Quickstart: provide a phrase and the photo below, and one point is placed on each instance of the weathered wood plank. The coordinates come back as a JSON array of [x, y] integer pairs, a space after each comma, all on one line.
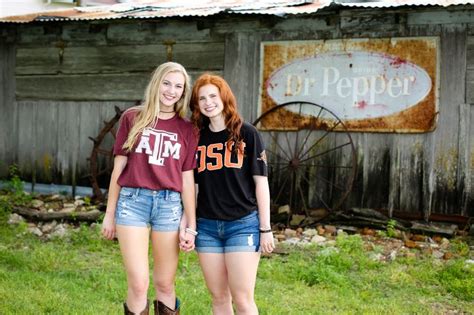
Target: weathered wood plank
[[470, 52], [470, 182], [116, 59], [452, 91], [362, 21], [241, 71], [87, 87], [464, 170], [67, 144], [439, 17], [375, 170], [410, 150], [90, 123], [27, 140], [8, 118], [158, 31], [470, 86], [46, 134]]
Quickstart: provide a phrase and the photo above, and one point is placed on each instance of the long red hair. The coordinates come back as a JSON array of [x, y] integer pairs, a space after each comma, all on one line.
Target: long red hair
[[232, 118]]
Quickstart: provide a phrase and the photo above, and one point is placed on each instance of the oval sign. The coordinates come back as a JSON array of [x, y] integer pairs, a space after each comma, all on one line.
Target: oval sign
[[353, 85]]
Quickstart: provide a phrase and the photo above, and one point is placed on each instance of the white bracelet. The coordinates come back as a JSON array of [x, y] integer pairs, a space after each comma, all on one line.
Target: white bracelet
[[191, 231]]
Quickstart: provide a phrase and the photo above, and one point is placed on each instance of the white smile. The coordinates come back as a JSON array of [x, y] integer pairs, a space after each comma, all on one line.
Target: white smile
[[169, 97], [210, 108]]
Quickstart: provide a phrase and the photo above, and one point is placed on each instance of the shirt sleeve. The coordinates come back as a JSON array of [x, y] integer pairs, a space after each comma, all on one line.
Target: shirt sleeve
[[190, 158], [257, 155], [122, 134]]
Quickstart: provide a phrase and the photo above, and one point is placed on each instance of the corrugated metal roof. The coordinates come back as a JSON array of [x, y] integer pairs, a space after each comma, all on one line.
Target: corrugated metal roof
[[146, 9]]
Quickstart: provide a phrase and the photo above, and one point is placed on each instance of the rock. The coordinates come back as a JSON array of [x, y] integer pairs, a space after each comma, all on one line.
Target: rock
[[321, 230], [299, 231], [392, 255], [447, 255], [68, 205], [340, 232], [330, 229], [310, 232], [317, 239], [59, 231], [48, 227], [79, 202], [67, 210], [444, 243], [296, 219], [367, 231], [410, 244], [280, 237], [36, 203], [470, 262], [418, 238], [15, 219], [284, 209], [290, 233], [437, 254], [55, 205], [36, 231], [292, 241]]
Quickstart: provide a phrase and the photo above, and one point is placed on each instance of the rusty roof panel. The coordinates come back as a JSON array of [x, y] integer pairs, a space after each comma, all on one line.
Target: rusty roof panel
[[145, 9]]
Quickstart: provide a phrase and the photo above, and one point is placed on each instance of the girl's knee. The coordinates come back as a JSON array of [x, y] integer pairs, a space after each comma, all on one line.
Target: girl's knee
[[164, 287], [221, 298], [139, 287], [244, 302]]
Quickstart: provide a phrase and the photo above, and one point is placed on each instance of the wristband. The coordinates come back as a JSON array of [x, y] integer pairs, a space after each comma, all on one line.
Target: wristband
[[191, 231], [265, 231]]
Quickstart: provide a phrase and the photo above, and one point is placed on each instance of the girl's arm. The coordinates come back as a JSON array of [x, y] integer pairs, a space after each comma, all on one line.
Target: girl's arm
[[189, 218], [262, 192], [108, 225]]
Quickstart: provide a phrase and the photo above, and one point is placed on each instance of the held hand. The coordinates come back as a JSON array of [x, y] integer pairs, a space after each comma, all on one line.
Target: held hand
[[108, 227], [186, 241], [267, 244]]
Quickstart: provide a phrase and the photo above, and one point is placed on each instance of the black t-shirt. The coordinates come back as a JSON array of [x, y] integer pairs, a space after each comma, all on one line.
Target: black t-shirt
[[226, 185]]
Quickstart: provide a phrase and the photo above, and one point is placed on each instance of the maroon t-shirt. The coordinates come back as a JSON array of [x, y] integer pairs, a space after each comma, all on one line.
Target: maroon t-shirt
[[159, 156]]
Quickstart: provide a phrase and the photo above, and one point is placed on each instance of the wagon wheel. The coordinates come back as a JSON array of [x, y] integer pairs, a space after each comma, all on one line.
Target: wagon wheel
[[310, 165], [103, 152]]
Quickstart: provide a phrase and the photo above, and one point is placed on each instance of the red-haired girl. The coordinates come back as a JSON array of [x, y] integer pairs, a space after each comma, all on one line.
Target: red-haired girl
[[233, 204]]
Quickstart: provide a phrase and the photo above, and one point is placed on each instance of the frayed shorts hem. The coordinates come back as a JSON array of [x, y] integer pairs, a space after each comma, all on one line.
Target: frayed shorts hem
[[154, 228], [229, 249]]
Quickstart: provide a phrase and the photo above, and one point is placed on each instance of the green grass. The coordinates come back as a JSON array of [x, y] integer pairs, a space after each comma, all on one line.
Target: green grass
[[82, 274]]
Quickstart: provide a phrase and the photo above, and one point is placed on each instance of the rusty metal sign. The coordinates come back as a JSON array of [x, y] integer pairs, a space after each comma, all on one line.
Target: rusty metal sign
[[377, 85]]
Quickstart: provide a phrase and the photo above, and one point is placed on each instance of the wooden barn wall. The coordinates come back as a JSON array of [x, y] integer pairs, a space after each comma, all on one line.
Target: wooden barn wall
[[8, 118], [420, 174], [69, 78], [70, 75]]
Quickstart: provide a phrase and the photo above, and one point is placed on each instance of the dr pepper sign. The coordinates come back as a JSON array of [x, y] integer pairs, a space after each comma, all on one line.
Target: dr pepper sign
[[376, 85]]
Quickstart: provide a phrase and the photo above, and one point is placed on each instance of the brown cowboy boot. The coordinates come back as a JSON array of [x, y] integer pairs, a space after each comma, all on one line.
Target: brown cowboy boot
[[146, 311], [162, 309]]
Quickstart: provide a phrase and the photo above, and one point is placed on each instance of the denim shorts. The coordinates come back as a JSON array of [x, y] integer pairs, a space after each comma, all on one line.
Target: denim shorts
[[159, 209], [216, 236]]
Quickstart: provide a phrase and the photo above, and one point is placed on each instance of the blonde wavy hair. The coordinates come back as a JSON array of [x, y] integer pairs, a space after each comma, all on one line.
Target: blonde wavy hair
[[149, 110]]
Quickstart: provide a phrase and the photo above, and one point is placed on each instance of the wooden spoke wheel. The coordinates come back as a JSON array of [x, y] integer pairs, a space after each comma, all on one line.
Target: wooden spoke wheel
[[101, 160], [311, 157]]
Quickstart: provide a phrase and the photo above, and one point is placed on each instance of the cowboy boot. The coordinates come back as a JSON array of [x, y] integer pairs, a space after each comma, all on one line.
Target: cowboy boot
[[162, 309], [144, 312]]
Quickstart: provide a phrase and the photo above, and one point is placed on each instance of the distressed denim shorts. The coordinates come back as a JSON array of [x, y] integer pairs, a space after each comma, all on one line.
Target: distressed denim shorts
[[216, 236], [159, 209]]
